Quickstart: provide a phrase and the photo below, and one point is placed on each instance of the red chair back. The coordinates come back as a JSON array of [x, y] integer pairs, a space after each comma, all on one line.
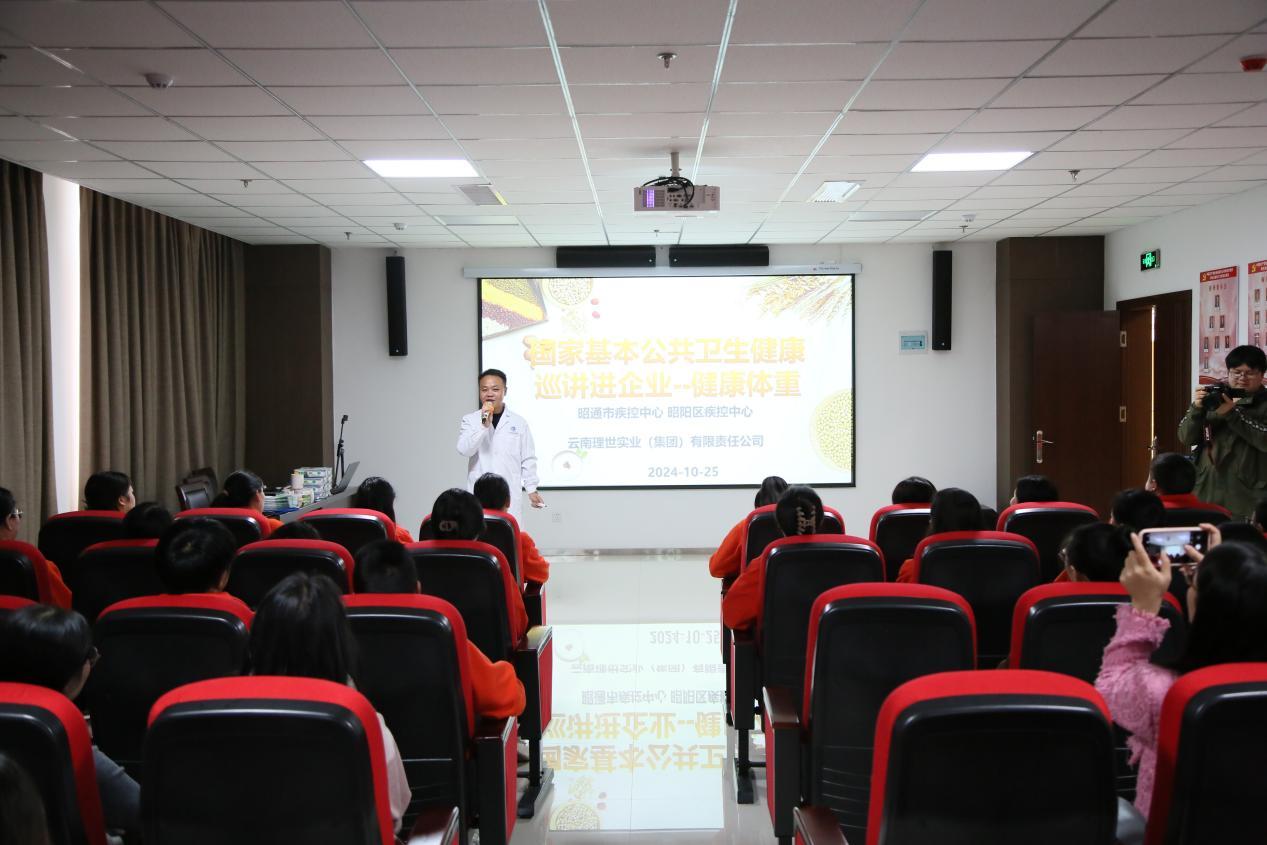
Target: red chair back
[[897, 530], [24, 572], [64, 535], [351, 528], [475, 578], [113, 571], [1046, 524], [260, 566], [246, 525], [761, 529]]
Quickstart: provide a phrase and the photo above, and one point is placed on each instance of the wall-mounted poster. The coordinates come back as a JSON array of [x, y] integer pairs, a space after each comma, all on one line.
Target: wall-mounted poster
[[1219, 308], [1256, 277]]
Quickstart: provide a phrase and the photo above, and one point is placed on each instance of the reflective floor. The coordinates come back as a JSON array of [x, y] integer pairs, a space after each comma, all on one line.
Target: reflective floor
[[638, 742]]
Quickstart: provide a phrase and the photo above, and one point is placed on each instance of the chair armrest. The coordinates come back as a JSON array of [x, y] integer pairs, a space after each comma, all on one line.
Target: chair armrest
[[782, 758], [817, 826], [1130, 824], [534, 666], [436, 826], [535, 602], [496, 765], [743, 678]]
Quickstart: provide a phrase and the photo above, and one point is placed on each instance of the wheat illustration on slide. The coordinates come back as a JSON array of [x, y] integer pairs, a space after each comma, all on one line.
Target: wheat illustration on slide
[[815, 298]]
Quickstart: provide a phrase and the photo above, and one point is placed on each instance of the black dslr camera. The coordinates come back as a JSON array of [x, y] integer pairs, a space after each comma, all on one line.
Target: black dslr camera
[[1214, 394]]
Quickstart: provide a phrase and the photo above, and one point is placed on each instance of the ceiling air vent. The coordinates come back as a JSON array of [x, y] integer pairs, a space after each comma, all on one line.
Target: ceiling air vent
[[482, 194]]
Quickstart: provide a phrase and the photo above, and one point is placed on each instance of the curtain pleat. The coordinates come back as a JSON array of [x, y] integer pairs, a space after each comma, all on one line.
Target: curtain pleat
[[26, 394], [162, 346]]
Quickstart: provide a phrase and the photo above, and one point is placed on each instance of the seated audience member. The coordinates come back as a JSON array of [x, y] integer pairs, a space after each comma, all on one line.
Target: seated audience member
[[1094, 552], [728, 559], [798, 511], [953, 510], [1034, 488], [9, 525], [1243, 532], [295, 530], [989, 518], [1172, 477], [377, 494], [913, 491], [385, 566], [1259, 518], [51, 647], [146, 521], [22, 820], [1227, 606], [494, 494], [109, 491], [301, 630], [457, 515], [1137, 509], [245, 489], [195, 556]]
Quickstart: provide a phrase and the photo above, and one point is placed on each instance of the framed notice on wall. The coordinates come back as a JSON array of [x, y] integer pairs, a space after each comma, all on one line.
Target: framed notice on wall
[[1256, 278], [1219, 309]]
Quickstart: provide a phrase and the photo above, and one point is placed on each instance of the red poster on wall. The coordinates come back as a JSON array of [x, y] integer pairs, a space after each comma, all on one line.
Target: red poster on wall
[[1219, 309], [1256, 277]]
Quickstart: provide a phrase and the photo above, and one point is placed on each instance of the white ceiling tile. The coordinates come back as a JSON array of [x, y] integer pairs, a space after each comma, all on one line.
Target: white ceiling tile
[[1018, 120], [208, 101], [81, 101], [337, 186], [789, 123], [250, 128], [266, 205], [24, 66], [636, 65], [1123, 139], [284, 150], [929, 94], [549, 168], [1089, 205], [1096, 56], [1255, 116], [351, 100], [790, 145], [1228, 57], [495, 99], [380, 128], [1204, 188], [387, 197], [365, 150], [1148, 174], [165, 150], [644, 125], [966, 142], [798, 63], [927, 193], [820, 21], [52, 151], [1166, 117], [1259, 158], [271, 24], [1017, 191], [962, 60], [1074, 91], [893, 122], [846, 145], [1238, 172], [966, 20], [455, 23], [435, 202], [225, 187], [1005, 203], [478, 66], [118, 24], [1079, 160], [619, 99], [514, 197], [505, 126], [1189, 158], [1121, 190], [783, 96], [1224, 137], [1174, 17], [846, 166], [135, 186], [915, 180], [119, 128], [316, 67], [1167, 200], [211, 208], [316, 169], [204, 169], [21, 129], [92, 169], [1044, 177], [664, 23], [1206, 88], [536, 148], [187, 66]]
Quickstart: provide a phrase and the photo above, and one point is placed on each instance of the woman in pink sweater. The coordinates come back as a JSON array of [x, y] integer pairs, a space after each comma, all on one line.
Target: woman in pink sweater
[[1231, 581]]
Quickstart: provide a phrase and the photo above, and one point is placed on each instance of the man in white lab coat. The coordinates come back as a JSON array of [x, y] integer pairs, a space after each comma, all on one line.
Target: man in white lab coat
[[497, 440]]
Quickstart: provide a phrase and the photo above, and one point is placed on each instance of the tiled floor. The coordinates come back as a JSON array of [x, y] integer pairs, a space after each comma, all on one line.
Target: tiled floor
[[639, 745]]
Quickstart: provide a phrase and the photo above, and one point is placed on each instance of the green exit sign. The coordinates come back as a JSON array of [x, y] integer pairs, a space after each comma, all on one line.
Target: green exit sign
[[1150, 260]]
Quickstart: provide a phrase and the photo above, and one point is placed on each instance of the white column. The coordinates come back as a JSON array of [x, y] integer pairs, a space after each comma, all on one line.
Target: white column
[[61, 212]]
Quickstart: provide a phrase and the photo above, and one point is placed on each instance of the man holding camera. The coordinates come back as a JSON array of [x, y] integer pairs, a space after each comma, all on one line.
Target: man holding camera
[[1227, 423]]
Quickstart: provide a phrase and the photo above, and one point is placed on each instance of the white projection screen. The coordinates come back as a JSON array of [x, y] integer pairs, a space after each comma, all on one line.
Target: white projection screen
[[678, 381]]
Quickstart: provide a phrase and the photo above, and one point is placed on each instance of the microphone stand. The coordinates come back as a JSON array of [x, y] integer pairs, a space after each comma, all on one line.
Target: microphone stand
[[338, 453]]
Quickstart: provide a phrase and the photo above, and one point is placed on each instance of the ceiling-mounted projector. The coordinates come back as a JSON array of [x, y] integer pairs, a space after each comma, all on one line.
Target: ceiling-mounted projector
[[676, 193]]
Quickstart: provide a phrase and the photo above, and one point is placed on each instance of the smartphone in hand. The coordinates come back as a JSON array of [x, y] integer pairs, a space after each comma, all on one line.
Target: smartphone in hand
[[1171, 542]]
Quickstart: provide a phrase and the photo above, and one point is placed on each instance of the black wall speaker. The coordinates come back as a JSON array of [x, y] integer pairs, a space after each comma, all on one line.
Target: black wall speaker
[[397, 320], [721, 255], [604, 256], [941, 298]]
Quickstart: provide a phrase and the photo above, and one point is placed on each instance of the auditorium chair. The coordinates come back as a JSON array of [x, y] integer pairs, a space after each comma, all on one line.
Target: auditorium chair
[[246, 525], [475, 578], [966, 758], [24, 572], [64, 535], [47, 735], [501, 531], [113, 571], [262, 760], [8, 604], [150, 646], [1065, 627], [194, 493], [1180, 517], [897, 530], [864, 641], [1046, 524], [1211, 785], [351, 528], [413, 669], [258, 567], [991, 569]]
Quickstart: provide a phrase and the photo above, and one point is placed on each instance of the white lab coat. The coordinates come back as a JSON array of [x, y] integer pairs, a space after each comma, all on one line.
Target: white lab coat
[[507, 450]]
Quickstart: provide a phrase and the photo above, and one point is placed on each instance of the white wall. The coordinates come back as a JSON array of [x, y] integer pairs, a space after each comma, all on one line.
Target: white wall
[[1219, 234], [61, 215], [930, 414]]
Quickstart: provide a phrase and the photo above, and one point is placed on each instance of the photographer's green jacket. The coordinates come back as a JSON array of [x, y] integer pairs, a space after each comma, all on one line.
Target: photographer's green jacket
[[1232, 468]]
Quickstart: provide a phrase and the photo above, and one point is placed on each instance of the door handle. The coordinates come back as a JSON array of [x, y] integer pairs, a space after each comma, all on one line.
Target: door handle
[[1039, 443]]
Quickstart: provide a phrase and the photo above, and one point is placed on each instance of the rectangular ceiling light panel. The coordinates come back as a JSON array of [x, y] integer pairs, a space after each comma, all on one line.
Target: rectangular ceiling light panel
[[943, 162]]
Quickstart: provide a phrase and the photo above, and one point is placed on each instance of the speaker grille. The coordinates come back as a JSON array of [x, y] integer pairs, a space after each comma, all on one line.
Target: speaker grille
[[397, 319], [941, 299]]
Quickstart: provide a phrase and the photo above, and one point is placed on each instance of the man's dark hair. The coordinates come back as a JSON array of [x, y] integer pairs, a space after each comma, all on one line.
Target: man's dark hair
[[193, 555], [376, 494], [1098, 550], [1173, 473], [1243, 532], [8, 504], [492, 491], [384, 566], [492, 372], [43, 645], [1138, 509], [301, 630], [915, 490], [295, 530], [1036, 488], [954, 509], [1249, 356], [103, 490], [146, 521]]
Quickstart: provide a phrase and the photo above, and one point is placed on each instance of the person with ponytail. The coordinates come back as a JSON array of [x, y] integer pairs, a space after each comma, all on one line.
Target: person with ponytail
[[245, 489], [952, 509], [377, 494], [728, 559], [799, 511]]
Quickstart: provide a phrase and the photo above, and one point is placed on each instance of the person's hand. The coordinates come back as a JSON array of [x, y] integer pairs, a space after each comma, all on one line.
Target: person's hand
[[535, 499], [1198, 397], [1228, 404], [1145, 582], [486, 414]]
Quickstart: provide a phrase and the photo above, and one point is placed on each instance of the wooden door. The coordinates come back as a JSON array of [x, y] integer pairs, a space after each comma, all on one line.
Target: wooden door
[[1137, 395], [1172, 376], [1076, 399]]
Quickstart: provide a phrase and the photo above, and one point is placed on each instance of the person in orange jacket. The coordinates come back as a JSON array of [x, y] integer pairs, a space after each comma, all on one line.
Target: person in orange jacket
[[728, 559], [59, 593], [952, 509], [494, 495], [245, 489], [377, 494], [385, 566]]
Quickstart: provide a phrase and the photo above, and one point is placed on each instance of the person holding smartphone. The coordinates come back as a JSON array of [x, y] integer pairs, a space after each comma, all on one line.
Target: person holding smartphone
[[1228, 423]]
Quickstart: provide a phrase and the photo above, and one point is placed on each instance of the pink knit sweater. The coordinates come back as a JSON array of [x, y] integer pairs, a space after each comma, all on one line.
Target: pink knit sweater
[[1134, 689]]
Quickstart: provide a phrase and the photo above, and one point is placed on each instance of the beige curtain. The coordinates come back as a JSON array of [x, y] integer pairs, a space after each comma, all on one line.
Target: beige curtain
[[26, 404], [162, 348]]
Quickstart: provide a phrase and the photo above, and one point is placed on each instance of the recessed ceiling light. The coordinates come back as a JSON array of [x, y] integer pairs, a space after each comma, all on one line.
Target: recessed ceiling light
[[837, 191], [421, 168], [938, 162]]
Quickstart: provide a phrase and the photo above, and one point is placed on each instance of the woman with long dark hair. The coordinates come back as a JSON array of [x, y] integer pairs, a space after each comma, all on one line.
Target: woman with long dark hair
[[728, 559]]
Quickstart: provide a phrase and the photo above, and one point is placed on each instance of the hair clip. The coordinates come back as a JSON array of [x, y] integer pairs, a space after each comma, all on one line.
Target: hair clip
[[448, 525]]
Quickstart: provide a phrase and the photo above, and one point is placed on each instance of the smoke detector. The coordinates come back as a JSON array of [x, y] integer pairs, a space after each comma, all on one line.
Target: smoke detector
[[159, 81]]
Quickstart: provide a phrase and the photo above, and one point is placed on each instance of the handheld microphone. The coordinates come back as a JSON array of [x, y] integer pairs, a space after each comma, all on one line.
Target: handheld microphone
[[483, 416]]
